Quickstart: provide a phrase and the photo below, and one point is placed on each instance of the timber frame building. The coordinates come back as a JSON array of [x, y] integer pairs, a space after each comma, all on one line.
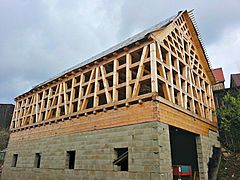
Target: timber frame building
[[131, 112]]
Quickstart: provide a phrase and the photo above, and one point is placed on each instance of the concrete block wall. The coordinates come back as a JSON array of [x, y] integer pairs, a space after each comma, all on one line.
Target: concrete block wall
[[148, 145], [205, 146]]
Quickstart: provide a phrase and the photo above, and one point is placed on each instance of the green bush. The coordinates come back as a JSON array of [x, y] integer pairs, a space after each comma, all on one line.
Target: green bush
[[229, 120]]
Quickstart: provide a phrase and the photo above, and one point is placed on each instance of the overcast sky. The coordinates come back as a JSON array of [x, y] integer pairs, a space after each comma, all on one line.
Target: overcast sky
[[39, 39]]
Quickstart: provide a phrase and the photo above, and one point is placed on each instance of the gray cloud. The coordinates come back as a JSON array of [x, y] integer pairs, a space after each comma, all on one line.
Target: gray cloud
[[39, 39]]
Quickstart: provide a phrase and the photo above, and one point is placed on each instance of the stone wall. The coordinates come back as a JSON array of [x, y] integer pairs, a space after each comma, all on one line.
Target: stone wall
[[205, 146], [148, 146]]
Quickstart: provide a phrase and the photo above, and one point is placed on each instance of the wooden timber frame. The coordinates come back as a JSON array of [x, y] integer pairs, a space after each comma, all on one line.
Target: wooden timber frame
[[167, 65]]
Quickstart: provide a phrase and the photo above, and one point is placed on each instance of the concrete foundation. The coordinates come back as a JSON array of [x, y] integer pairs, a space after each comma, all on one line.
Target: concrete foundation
[[148, 147]]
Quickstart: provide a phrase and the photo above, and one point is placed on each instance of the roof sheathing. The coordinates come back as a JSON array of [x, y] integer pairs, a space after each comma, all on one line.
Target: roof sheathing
[[236, 79]]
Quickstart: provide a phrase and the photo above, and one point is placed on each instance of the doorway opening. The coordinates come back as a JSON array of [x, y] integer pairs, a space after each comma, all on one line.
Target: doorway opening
[[184, 149]]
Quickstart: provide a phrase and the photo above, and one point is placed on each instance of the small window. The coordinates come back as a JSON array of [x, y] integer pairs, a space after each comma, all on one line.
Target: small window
[[122, 158], [70, 159], [37, 161], [14, 161]]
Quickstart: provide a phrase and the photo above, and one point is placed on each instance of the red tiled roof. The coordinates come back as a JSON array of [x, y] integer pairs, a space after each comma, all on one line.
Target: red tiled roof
[[218, 74], [236, 79]]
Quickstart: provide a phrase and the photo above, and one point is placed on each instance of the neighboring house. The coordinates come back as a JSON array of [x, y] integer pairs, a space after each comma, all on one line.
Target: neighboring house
[[218, 74], [6, 112], [132, 112], [219, 89], [235, 80]]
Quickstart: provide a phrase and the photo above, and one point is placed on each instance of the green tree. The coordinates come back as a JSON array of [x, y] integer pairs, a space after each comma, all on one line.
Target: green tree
[[4, 136], [229, 120]]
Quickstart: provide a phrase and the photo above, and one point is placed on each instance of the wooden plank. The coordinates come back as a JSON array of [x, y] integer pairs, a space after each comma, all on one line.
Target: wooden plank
[[21, 110], [128, 75], [70, 109], [140, 72], [199, 107], [53, 102], [180, 85], [48, 103], [162, 70], [106, 85], [26, 110], [96, 89], [32, 108], [65, 98], [41, 106], [59, 100], [80, 95], [191, 89], [115, 80], [85, 100], [153, 56], [36, 109], [171, 77]]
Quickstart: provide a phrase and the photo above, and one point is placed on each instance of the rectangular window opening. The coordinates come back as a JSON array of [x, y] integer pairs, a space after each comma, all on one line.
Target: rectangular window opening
[[37, 160], [70, 159], [14, 161], [122, 158]]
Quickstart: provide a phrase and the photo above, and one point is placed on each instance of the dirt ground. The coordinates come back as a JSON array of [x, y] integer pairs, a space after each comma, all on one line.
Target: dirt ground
[[230, 166]]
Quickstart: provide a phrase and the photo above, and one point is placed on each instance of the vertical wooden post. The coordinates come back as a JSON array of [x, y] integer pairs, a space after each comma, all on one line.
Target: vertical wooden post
[[65, 97], [128, 75], [180, 85], [171, 76], [80, 95], [36, 110], [70, 109], [115, 80], [48, 103], [59, 100], [153, 56], [96, 89]]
